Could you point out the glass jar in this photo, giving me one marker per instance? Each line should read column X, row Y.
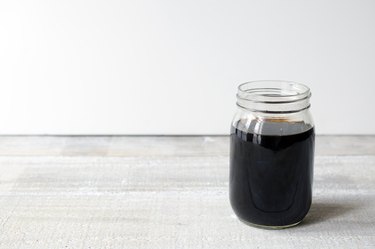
column 272, row 154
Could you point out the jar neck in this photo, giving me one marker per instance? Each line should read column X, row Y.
column 273, row 98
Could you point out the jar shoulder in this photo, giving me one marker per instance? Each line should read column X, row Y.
column 271, row 124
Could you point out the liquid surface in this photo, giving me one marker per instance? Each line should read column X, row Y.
column 271, row 176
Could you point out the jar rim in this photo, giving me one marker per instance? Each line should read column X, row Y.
column 273, row 91
column 273, row 96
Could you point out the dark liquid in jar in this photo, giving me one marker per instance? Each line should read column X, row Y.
column 271, row 176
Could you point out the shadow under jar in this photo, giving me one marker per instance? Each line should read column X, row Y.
column 272, row 154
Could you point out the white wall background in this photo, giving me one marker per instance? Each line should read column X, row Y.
column 172, row 67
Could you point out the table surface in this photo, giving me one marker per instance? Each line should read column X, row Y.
column 169, row 192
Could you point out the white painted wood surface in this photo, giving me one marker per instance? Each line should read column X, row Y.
column 169, row 192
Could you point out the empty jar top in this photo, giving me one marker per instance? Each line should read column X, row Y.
column 273, row 96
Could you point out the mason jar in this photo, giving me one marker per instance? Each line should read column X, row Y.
column 272, row 154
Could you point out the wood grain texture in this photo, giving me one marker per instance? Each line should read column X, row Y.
column 168, row 192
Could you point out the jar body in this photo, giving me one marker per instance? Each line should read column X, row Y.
column 271, row 166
